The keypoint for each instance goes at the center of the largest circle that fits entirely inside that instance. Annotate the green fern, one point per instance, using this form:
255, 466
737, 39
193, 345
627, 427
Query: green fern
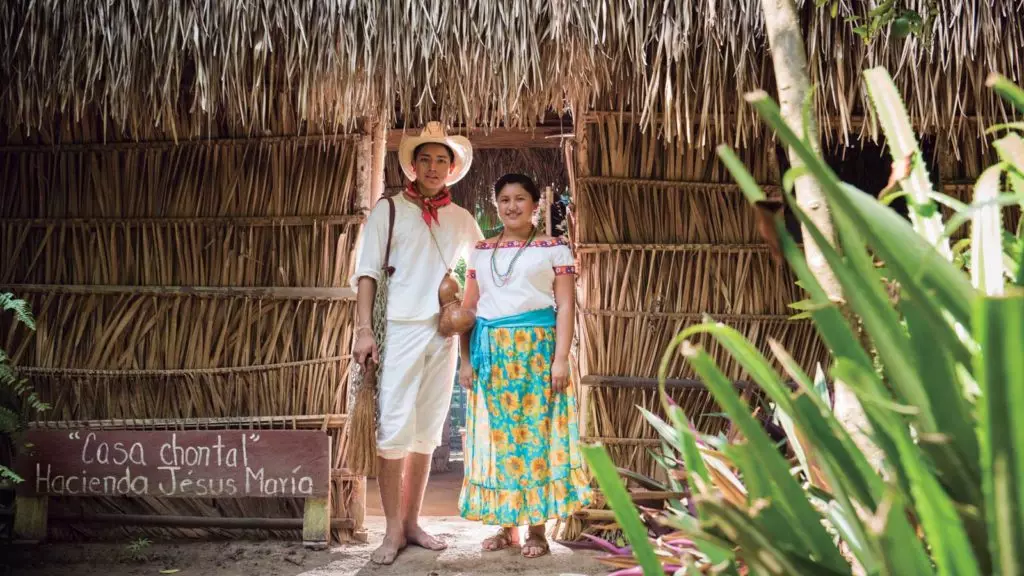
17, 397
20, 308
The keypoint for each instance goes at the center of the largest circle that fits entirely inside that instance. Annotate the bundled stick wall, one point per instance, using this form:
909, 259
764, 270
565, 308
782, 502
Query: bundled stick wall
177, 286
663, 236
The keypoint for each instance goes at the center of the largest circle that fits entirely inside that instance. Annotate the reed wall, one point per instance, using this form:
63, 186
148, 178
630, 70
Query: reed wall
198, 284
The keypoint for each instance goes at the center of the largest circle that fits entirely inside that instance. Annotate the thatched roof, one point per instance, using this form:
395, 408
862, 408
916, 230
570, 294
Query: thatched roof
172, 68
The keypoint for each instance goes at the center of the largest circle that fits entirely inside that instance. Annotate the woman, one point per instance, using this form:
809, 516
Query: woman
523, 465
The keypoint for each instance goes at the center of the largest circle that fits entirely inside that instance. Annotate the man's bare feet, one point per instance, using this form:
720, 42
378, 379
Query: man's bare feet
388, 550
417, 536
503, 539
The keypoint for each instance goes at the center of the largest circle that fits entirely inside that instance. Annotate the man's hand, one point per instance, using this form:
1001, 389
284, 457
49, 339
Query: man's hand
466, 375
366, 349
559, 375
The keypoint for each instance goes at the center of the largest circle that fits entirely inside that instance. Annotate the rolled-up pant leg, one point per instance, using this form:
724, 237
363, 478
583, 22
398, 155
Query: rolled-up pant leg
415, 388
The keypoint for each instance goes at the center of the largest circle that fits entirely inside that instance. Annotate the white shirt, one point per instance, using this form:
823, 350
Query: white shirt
412, 293
531, 285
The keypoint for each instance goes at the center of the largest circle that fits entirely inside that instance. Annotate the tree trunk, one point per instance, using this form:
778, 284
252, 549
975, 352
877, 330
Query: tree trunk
785, 37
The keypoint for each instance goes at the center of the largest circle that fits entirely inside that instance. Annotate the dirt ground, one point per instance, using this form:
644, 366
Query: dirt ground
462, 558
275, 558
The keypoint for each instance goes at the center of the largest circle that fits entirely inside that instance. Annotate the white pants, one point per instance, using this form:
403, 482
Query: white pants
415, 388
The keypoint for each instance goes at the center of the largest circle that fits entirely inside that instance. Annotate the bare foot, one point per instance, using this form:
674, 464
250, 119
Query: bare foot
415, 535
536, 545
388, 550
500, 541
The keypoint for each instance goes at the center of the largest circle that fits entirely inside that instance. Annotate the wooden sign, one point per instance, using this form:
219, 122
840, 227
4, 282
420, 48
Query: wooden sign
176, 464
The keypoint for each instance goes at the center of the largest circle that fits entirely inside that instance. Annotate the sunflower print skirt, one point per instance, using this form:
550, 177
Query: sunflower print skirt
523, 465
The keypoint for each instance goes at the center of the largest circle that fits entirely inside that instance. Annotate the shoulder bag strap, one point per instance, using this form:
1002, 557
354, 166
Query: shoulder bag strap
391, 230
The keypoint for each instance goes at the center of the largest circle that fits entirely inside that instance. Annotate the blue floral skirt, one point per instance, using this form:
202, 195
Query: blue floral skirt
523, 465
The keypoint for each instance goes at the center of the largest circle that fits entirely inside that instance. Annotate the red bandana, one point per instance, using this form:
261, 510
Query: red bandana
429, 205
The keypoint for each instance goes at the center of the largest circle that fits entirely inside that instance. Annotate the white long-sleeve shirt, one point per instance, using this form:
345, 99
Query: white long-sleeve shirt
412, 294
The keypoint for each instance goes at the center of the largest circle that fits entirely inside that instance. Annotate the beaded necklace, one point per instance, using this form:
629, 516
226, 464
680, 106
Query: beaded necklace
499, 278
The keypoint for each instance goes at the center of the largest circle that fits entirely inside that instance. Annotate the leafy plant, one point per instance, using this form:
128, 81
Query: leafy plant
940, 395
137, 550
17, 398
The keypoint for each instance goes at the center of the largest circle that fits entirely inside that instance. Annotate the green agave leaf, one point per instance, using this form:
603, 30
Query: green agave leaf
862, 289
900, 137
821, 385
972, 210
986, 235
1017, 184
834, 329
999, 328
832, 441
947, 397
697, 473
1005, 126
790, 177
745, 180
664, 429
851, 477
910, 257
788, 495
604, 471
794, 440
757, 548
1007, 90
1011, 150
943, 527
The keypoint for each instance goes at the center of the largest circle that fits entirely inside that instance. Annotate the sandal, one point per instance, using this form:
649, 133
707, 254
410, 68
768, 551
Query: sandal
535, 541
500, 541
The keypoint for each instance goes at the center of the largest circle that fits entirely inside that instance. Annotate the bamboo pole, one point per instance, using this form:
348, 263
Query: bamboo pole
548, 201
240, 221
310, 421
259, 292
379, 144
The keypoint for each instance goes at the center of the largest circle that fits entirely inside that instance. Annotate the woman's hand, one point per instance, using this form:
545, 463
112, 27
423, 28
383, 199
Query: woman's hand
466, 376
559, 375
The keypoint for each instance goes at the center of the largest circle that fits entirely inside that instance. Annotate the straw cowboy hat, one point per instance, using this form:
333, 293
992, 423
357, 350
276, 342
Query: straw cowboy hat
434, 133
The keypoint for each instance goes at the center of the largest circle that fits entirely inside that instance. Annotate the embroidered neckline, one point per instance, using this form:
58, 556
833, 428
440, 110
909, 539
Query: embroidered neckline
487, 245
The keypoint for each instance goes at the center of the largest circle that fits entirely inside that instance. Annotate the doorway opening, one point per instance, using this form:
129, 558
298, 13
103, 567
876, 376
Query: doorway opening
537, 154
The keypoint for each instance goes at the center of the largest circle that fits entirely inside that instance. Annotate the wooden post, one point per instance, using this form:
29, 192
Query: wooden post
577, 160
364, 164
316, 518
30, 518
548, 201
316, 524
379, 146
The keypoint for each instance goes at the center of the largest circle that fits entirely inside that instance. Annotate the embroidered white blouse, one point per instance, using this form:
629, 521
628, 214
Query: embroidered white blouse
531, 285
412, 294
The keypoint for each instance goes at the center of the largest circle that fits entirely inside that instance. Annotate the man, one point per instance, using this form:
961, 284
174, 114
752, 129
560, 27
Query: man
418, 369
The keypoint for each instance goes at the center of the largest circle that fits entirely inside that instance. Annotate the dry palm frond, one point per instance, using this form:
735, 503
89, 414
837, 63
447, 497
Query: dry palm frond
189, 70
